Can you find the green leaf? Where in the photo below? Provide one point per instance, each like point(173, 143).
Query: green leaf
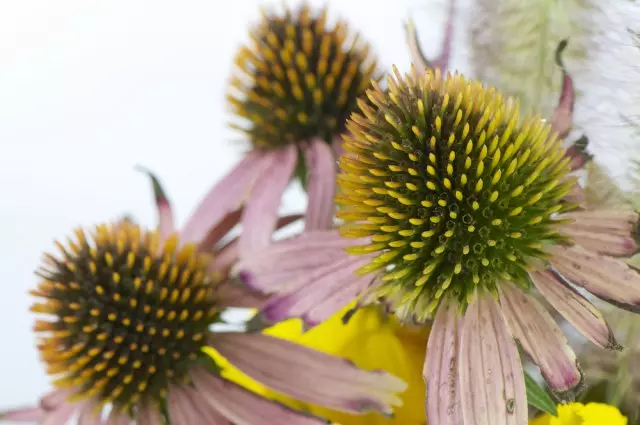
point(538, 397)
point(513, 44)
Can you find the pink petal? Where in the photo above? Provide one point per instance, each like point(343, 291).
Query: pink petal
point(442, 61)
point(599, 241)
point(441, 367)
point(575, 308)
point(147, 414)
point(563, 115)
point(210, 415)
point(336, 146)
point(321, 188)
point(293, 263)
point(261, 212)
point(61, 415)
point(27, 414)
point(578, 157)
point(618, 221)
point(88, 414)
point(242, 407)
point(577, 195)
point(309, 375)
point(606, 277)
point(543, 340)
point(181, 409)
point(491, 378)
point(220, 230)
point(321, 296)
point(53, 399)
point(226, 196)
point(165, 214)
point(228, 254)
point(118, 418)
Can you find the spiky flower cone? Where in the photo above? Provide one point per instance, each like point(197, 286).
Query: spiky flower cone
point(299, 80)
point(453, 190)
point(132, 313)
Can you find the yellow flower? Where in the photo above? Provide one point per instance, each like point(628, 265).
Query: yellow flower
point(371, 340)
point(580, 414)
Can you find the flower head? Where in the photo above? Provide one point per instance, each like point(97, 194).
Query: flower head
point(300, 79)
point(453, 191)
point(130, 314)
point(459, 210)
point(580, 414)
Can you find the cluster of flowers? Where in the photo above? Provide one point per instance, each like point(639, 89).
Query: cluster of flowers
point(447, 220)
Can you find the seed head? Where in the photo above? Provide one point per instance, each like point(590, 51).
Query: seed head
point(298, 80)
point(129, 313)
point(452, 189)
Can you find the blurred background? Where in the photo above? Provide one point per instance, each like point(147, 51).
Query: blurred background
point(90, 89)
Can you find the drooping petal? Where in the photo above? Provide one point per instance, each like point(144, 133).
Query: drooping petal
point(618, 221)
point(226, 196)
point(181, 409)
point(321, 295)
point(292, 263)
point(441, 367)
point(220, 230)
point(118, 418)
point(53, 399)
point(309, 375)
point(165, 213)
point(242, 407)
point(211, 416)
point(261, 211)
point(88, 415)
point(491, 377)
point(606, 277)
point(562, 121)
point(228, 255)
point(321, 186)
point(27, 414)
point(575, 308)
point(418, 58)
point(543, 341)
point(577, 195)
point(60, 415)
point(601, 241)
point(146, 414)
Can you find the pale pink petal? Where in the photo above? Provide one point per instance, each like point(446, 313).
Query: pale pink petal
point(575, 308)
point(577, 195)
point(562, 121)
point(118, 418)
point(61, 415)
point(146, 414)
point(180, 408)
point(165, 214)
point(321, 296)
point(603, 231)
point(228, 255)
point(578, 157)
point(336, 146)
point(226, 196)
point(543, 340)
point(321, 187)
point(220, 230)
point(242, 407)
point(442, 61)
point(491, 377)
point(309, 375)
point(441, 367)
point(211, 416)
point(606, 277)
point(88, 415)
point(53, 399)
point(27, 414)
point(261, 211)
point(293, 263)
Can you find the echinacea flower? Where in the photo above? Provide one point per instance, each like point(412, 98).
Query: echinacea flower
point(128, 313)
point(293, 89)
point(372, 340)
point(580, 414)
point(455, 210)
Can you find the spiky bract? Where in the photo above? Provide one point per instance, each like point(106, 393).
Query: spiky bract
point(129, 313)
point(453, 190)
point(299, 79)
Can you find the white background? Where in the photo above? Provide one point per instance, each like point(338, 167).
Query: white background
point(88, 89)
